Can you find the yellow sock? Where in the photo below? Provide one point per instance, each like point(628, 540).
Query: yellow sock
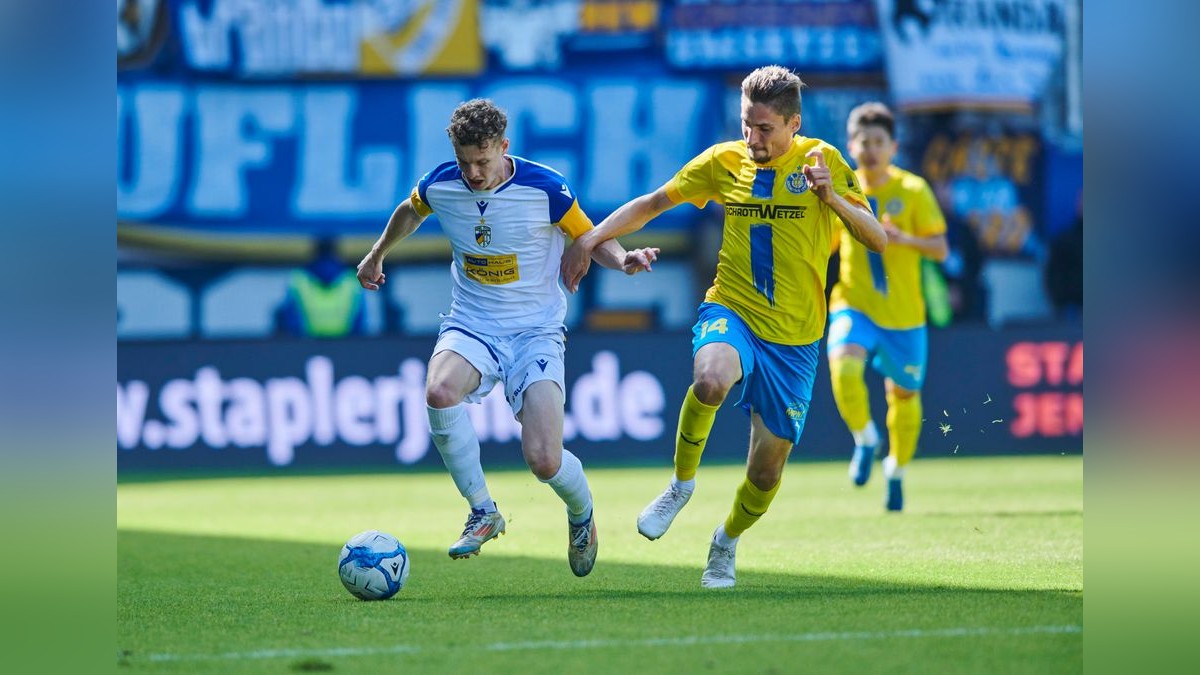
point(904, 427)
point(748, 506)
point(850, 391)
point(695, 421)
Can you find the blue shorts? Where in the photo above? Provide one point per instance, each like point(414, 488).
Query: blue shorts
point(897, 354)
point(777, 380)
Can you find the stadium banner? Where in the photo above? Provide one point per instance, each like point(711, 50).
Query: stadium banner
point(987, 171)
point(809, 35)
point(551, 35)
point(977, 53)
point(251, 39)
point(361, 403)
point(335, 158)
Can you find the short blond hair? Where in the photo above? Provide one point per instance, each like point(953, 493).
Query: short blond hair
point(776, 87)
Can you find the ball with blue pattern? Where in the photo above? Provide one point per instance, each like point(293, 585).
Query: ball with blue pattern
point(373, 565)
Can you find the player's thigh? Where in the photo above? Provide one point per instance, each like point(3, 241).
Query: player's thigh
point(894, 389)
point(531, 358)
point(722, 352)
point(450, 377)
point(718, 364)
point(471, 375)
point(768, 454)
point(848, 350)
point(541, 419)
point(851, 333)
point(901, 358)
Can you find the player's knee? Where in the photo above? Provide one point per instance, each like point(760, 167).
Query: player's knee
point(847, 366)
point(895, 391)
point(441, 395)
point(543, 463)
point(765, 478)
point(847, 351)
point(710, 386)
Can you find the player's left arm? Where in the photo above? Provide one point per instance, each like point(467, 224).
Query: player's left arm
point(934, 247)
point(856, 216)
point(612, 254)
point(609, 253)
point(930, 236)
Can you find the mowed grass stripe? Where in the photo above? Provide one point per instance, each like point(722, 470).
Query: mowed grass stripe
point(676, 641)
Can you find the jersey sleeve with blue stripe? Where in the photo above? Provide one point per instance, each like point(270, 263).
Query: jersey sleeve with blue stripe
point(420, 194)
point(565, 211)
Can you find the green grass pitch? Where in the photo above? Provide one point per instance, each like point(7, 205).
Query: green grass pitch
point(982, 573)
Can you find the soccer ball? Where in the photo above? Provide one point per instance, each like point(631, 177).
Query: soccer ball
point(373, 565)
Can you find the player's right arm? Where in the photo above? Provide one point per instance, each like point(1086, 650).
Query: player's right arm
point(630, 217)
point(405, 219)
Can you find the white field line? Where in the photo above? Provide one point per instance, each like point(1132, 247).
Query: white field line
point(677, 641)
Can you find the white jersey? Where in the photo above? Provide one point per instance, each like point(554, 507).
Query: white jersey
point(507, 245)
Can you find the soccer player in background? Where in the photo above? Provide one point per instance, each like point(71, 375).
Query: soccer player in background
point(763, 317)
point(507, 220)
point(877, 306)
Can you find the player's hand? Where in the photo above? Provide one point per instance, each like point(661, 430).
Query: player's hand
point(895, 235)
point(819, 177)
point(639, 260)
point(370, 273)
point(574, 265)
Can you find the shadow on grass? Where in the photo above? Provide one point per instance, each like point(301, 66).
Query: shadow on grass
point(187, 599)
point(1056, 513)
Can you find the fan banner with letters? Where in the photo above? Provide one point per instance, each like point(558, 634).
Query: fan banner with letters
point(263, 39)
point(809, 35)
point(977, 53)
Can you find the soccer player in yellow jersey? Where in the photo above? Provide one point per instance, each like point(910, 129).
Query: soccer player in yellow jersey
point(764, 315)
point(877, 307)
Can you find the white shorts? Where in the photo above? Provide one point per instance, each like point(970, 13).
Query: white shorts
point(516, 360)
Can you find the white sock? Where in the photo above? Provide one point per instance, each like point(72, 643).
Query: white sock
point(572, 487)
point(456, 441)
point(723, 540)
point(688, 485)
point(868, 436)
point(890, 470)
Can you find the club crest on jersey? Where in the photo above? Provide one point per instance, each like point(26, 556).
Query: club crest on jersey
point(894, 206)
point(483, 235)
point(796, 183)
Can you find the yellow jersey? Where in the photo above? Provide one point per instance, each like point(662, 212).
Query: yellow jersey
point(778, 235)
point(887, 287)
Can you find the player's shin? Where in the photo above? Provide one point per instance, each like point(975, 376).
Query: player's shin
point(455, 439)
point(749, 505)
point(695, 423)
point(850, 391)
point(904, 428)
point(571, 485)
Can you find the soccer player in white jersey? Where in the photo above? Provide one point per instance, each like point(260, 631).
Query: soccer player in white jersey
point(507, 219)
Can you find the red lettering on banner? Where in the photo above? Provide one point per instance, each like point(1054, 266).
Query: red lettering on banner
point(1052, 363)
point(1054, 360)
point(1023, 367)
point(1050, 414)
point(1026, 423)
point(1074, 413)
point(1047, 413)
point(1046, 364)
point(1075, 368)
